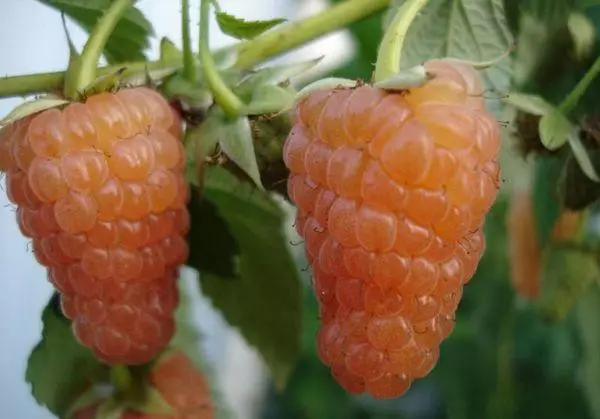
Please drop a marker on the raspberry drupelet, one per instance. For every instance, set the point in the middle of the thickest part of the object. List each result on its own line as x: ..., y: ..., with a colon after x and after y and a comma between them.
x: 100, y: 190
x: 391, y: 192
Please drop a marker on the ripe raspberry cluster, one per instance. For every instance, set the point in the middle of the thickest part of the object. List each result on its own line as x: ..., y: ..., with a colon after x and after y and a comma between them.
x: 391, y: 191
x: 180, y: 383
x: 525, y: 250
x: 100, y: 190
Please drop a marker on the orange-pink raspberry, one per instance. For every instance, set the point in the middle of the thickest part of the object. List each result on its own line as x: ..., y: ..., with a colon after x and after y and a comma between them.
x: 100, y: 190
x: 391, y: 192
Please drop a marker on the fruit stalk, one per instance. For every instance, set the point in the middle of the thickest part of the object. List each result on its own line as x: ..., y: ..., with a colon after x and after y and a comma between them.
x: 250, y: 53
x: 223, y: 95
x: 390, y: 51
x: 84, y: 71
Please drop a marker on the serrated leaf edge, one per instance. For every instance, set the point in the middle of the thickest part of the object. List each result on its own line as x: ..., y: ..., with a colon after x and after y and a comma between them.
x: 259, y: 26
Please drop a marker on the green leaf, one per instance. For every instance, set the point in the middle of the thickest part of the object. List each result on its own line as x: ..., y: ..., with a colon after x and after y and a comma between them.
x: 59, y: 368
x: 555, y: 130
x: 269, y: 99
x: 582, y: 157
x: 244, y: 29
x: 588, y: 321
x: 567, y: 274
x: 217, y: 256
x: 31, y: 107
x: 545, y: 193
x: 405, y: 79
x: 583, y: 32
x: 467, y: 29
x: 264, y: 299
x: 532, y: 104
x: 128, y: 41
x: 169, y: 51
x: 236, y: 142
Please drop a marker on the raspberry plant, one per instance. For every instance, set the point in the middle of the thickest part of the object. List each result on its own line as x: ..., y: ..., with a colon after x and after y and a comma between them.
x: 442, y: 187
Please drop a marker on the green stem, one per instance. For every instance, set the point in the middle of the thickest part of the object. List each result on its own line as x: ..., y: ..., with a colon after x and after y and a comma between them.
x: 504, y: 393
x: 224, y: 96
x: 573, y: 98
x: 250, y: 53
x: 390, y: 51
x: 292, y: 35
x: 121, y: 379
x: 85, y: 72
x: 53, y: 81
x: 190, y: 72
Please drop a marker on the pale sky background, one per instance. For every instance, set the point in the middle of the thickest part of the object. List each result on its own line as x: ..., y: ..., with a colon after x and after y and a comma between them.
x: 32, y: 40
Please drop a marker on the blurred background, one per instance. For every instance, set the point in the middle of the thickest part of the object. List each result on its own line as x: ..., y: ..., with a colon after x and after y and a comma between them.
x: 503, y: 360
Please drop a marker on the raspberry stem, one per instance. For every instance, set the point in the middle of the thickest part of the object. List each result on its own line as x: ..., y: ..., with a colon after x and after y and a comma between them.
x: 249, y: 53
x: 390, y: 50
x: 190, y: 71
x: 121, y: 379
x: 292, y: 35
x: 83, y: 72
x: 579, y: 90
x: 224, y: 96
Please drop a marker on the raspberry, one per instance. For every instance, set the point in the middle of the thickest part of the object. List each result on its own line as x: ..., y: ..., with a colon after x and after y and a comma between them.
x: 183, y: 386
x: 180, y: 384
x: 100, y: 189
x: 524, y: 248
x: 392, y: 190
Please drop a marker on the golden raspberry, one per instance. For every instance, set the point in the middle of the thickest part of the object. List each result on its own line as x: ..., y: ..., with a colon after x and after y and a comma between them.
x: 392, y: 191
x: 100, y: 189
